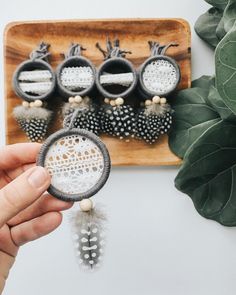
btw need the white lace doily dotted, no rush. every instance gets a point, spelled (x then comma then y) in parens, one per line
(38, 88)
(75, 163)
(160, 76)
(74, 78)
(35, 76)
(123, 79)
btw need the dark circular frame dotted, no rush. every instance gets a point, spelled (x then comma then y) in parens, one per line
(74, 60)
(35, 64)
(104, 65)
(144, 89)
(107, 163)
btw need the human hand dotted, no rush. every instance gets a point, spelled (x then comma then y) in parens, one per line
(26, 212)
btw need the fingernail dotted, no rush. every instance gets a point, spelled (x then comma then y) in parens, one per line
(38, 177)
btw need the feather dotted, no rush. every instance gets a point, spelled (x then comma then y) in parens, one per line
(88, 230)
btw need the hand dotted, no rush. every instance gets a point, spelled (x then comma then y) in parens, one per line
(26, 212)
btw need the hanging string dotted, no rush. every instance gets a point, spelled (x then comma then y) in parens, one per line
(41, 52)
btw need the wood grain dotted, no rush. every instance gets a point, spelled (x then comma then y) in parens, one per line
(22, 37)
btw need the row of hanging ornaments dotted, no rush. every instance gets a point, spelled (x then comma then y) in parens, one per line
(79, 83)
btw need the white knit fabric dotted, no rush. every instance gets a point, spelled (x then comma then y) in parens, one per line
(160, 76)
(35, 76)
(123, 79)
(74, 78)
(75, 163)
(38, 88)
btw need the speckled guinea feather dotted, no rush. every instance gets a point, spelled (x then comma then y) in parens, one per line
(88, 230)
(33, 121)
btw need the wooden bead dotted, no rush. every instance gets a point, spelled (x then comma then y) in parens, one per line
(38, 103)
(78, 99)
(119, 101)
(112, 103)
(25, 104)
(163, 100)
(148, 102)
(86, 205)
(32, 105)
(71, 99)
(156, 99)
(107, 100)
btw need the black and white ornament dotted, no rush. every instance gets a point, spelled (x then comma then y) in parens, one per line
(153, 120)
(87, 116)
(33, 119)
(118, 119)
(34, 82)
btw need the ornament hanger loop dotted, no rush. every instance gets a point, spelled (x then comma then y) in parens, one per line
(75, 50)
(156, 49)
(41, 52)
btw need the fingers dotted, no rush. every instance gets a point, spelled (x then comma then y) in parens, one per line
(35, 228)
(45, 204)
(13, 173)
(22, 192)
(15, 155)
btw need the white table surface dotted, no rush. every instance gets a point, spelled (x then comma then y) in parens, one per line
(157, 243)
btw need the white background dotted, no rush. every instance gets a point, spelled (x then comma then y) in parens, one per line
(157, 243)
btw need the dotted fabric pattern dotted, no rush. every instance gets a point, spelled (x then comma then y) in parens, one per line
(75, 163)
(75, 78)
(160, 76)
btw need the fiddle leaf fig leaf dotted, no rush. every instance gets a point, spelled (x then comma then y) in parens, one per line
(193, 115)
(229, 15)
(216, 101)
(225, 59)
(208, 173)
(207, 24)
(220, 4)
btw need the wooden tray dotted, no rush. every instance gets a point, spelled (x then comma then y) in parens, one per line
(22, 37)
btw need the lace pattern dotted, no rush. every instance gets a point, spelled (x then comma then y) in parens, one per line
(75, 78)
(160, 76)
(35, 76)
(38, 88)
(123, 79)
(75, 163)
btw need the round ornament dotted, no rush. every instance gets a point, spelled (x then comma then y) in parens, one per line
(78, 162)
(159, 75)
(76, 74)
(34, 79)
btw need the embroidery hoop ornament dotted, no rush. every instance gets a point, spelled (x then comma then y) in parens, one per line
(38, 61)
(75, 59)
(158, 54)
(115, 56)
(81, 133)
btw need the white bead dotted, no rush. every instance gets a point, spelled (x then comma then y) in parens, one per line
(119, 101)
(78, 99)
(86, 205)
(112, 103)
(38, 103)
(107, 100)
(71, 99)
(156, 99)
(25, 104)
(32, 105)
(148, 102)
(163, 100)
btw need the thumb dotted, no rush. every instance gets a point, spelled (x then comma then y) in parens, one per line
(22, 192)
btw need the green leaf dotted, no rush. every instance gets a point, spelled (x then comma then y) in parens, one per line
(193, 115)
(208, 174)
(217, 103)
(220, 4)
(207, 25)
(229, 16)
(225, 59)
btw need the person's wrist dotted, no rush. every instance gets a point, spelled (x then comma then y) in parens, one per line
(6, 262)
